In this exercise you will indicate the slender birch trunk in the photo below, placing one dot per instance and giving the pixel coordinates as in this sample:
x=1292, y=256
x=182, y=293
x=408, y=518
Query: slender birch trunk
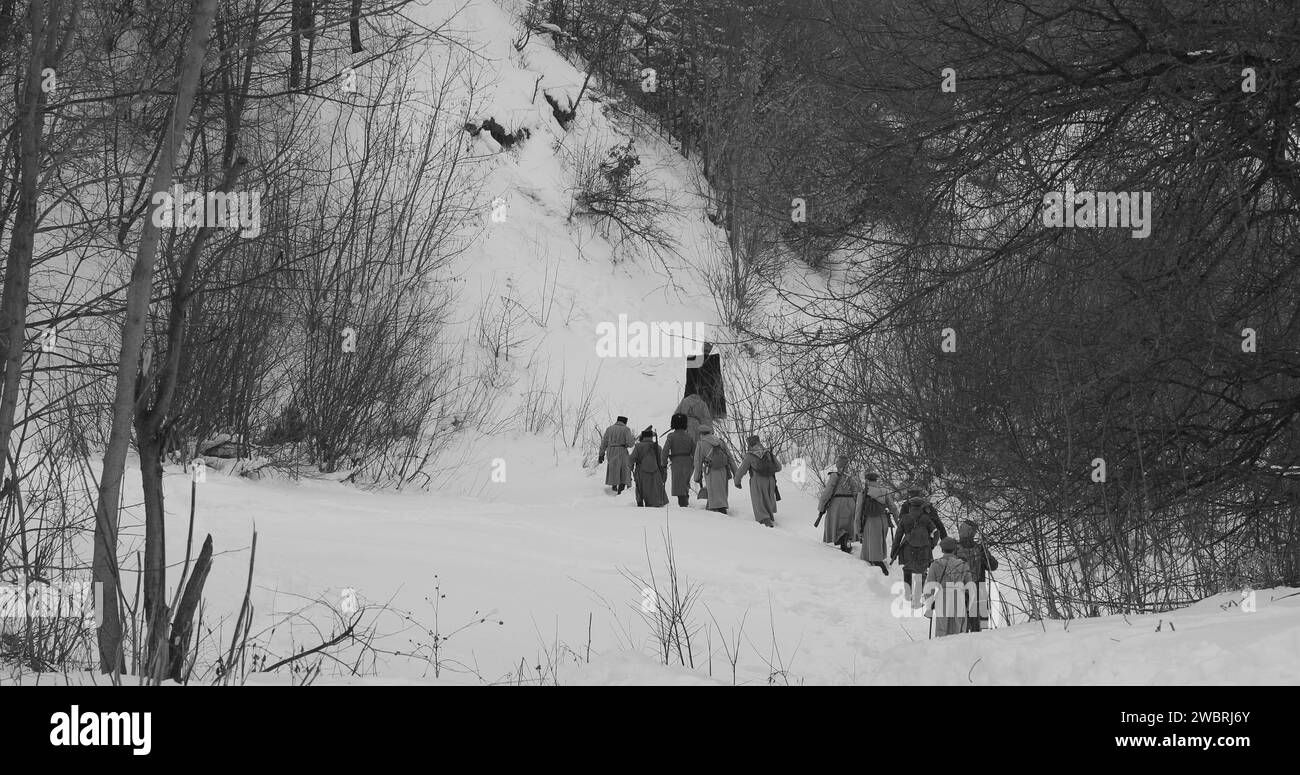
x=104, y=568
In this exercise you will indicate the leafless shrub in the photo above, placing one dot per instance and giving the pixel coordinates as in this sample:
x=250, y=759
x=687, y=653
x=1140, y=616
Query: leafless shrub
x=628, y=206
x=731, y=641
x=667, y=605
x=778, y=665
x=500, y=319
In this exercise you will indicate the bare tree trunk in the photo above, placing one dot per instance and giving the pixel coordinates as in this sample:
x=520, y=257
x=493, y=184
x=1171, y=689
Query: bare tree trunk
x=18, y=264
x=183, y=626
x=150, y=435
x=155, y=556
x=104, y=566
x=354, y=27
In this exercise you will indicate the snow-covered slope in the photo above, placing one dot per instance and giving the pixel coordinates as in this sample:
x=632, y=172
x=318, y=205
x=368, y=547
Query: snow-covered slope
x=1215, y=641
x=551, y=574
x=545, y=566
x=538, y=280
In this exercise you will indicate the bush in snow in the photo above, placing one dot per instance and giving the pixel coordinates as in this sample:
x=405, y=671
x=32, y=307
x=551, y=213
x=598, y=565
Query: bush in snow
x=619, y=193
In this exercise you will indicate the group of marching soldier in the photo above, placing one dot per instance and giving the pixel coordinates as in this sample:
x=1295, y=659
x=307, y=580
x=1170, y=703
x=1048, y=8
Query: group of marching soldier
x=867, y=512
x=690, y=452
x=850, y=509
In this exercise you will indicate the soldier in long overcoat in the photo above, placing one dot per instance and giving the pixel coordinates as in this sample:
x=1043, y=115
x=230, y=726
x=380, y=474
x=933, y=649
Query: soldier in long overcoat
x=838, y=505
x=761, y=465
x=614, y=446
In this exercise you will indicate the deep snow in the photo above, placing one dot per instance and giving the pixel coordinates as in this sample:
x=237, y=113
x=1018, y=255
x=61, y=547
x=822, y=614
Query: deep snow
x=544, y=552
x=543, y=567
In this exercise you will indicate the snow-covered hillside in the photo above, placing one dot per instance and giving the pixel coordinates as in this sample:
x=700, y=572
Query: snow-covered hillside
x=801, y=612
x=538, y=279
x=544, y=565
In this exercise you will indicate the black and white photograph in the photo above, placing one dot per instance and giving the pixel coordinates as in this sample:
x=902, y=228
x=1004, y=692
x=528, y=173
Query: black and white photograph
x=736, y=343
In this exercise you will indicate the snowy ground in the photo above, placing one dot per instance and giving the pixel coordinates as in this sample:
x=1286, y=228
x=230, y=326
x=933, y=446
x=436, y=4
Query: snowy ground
x=545, y=551
x=543, y=565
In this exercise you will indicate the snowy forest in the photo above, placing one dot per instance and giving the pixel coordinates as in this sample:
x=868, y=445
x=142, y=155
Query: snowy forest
x=323, y=322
